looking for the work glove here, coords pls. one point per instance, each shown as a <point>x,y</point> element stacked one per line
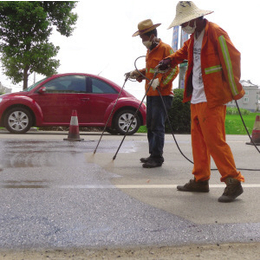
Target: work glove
<point>164,64</point>
<point>155,83</point>
<point>132,74</point>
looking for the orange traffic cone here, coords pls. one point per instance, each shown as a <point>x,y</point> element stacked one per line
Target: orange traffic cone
<point>74,128</point>
<point>256,132</point>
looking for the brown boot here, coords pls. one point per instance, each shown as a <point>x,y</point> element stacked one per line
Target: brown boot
<point>233,190</point>
<point>192,185</point>
<point>145,160</point>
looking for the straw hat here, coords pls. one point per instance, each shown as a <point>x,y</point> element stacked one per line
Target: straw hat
<point>187,11</point>
<point>145,27</point>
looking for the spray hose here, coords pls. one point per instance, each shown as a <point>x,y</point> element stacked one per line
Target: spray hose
<point>167,116</point>
<point>252,141</point>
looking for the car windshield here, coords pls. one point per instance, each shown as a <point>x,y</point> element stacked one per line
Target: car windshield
<point>34,85</point>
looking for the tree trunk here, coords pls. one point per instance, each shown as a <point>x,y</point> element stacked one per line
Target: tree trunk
<point>25,77</point>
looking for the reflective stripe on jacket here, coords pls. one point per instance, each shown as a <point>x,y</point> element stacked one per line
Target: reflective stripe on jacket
<point>220,66</point>
<point>153,57</point>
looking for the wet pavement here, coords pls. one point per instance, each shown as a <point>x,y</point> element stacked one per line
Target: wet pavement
<point>58,194</point>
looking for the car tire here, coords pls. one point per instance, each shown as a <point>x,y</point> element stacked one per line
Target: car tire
<point>122,121</point>
<point>18,120</point>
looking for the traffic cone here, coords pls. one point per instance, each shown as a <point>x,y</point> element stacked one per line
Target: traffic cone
<point>256,132</point>
<point>74,128</point>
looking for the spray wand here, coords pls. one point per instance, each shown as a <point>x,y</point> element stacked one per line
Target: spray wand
<point>119,94</point>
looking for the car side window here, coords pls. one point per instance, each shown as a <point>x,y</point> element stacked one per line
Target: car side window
<point>67,84</point>
<point>101,87</point>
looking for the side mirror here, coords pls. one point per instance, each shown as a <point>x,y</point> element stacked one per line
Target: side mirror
<point>42,90</point>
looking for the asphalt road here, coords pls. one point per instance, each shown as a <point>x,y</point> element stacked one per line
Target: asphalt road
<point>58,194</point>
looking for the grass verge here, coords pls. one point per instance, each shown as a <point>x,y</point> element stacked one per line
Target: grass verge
<point>233,123</point>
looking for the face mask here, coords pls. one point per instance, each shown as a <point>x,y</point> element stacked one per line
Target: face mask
<point>188,29</point>
<point>148,44</point>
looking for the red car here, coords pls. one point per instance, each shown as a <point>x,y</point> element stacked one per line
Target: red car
<point>50,102</point>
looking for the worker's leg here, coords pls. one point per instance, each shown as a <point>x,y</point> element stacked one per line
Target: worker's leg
<point>201,157</point>
<point>212,123</point>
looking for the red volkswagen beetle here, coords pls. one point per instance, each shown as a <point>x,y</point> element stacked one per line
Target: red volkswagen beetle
<point>50,102</point>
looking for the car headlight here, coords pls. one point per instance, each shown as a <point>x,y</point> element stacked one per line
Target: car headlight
<point>1,100</point>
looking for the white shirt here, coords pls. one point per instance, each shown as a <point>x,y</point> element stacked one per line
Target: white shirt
<point>198,94</point>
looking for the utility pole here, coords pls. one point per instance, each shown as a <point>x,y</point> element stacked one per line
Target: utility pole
<point>175,42</point>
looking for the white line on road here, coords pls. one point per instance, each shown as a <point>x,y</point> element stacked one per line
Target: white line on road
<point>98,186</point>
<point>142,186</point>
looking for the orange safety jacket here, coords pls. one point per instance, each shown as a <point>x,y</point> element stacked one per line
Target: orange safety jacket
<point>220,66</point>
<point>153,57</point>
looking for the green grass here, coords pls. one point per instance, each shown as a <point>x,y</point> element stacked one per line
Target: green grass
<point>142,129</point>
<point>233,123</point>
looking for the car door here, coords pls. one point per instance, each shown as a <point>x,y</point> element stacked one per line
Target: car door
<point>101,94</point>
<point>63,95</point>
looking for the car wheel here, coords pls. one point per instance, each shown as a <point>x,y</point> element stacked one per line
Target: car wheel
<point>18,120</point>
<point>123,120</point>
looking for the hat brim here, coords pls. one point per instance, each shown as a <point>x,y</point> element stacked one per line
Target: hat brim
<point>180,20</point>
<point>146,30</point>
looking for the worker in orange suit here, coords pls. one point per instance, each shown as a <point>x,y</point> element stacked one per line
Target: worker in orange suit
<point>211,81</point>
<point>160,84</point>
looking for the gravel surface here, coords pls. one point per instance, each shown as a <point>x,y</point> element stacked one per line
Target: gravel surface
<point>207,252</point>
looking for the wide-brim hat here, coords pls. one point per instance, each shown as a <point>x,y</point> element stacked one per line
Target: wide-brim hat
<point>187,11</point>
<point>145,27</point>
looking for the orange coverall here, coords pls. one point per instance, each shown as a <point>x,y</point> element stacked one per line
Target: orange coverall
<point>220,67</point>
<point>153,57</point>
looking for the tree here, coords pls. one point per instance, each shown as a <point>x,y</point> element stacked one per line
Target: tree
<point>25,28</point>
<point>179,114</point>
